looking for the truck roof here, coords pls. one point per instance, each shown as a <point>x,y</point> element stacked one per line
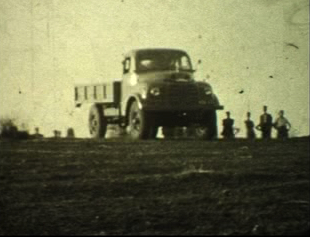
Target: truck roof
<point>135,51</point>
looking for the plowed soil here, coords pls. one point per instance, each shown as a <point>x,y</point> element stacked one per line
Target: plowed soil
<point>155,187</point>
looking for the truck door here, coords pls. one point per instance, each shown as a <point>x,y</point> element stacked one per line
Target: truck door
<point>127,82</point>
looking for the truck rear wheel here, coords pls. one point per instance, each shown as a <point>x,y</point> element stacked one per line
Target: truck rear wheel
<point>96,122</point>
<point>208,131</point>
<point>138,124</point>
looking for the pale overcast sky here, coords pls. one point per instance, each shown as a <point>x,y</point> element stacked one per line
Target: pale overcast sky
<point>258,46</point>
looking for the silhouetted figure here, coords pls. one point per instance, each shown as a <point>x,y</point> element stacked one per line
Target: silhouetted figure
<point>37,134</point>
<point>265,124</point>
<point>70,133</point>
<point>57,134</point>
<point>249,125</point>
<point>228,129</point>
<point>282,125</point>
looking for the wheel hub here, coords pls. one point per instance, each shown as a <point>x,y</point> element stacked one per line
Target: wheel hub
<point>93,124</point>
<point>135,121</point>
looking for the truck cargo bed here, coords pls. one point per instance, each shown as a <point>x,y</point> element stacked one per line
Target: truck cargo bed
<point>98,93</point>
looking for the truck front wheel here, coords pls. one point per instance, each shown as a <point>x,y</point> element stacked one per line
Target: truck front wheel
<point>96,122</point>
<point>208,131</point>
<point>138,124</point>
<point>168,132</point>
<point>153,132</point>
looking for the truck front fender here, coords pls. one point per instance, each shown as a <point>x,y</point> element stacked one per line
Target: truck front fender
<point>125,109</point>
<point>216,100</point>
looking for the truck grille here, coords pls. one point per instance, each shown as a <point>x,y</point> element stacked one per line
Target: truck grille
<point>181,94</point>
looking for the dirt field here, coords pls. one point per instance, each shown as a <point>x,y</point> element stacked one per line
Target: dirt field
<point>179,187</point>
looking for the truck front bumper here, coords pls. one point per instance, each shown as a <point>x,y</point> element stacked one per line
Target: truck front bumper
<point>180,117</point>
<point>180,106</point>
<point>180,100</point>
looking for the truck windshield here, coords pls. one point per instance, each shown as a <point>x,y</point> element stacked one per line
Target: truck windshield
<point>163,60</point>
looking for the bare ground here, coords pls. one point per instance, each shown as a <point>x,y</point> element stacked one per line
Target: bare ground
<point>176,187</point>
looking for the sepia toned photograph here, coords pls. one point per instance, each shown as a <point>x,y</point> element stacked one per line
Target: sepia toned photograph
<point>154,117</point>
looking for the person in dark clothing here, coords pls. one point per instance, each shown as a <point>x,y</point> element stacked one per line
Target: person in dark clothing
<point>265,124</point>
<point>249,125</point>
<point>228,129</point>
<point>37,134</point>
<point>282,125</point>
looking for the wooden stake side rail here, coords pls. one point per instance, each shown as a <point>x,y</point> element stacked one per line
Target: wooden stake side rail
<point>98,93</point>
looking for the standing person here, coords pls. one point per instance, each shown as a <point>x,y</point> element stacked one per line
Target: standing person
<point>249,125</point>
<point>265,124</point>
<point>37,134</point>
<point>228,130</point>
<point>282,125</point>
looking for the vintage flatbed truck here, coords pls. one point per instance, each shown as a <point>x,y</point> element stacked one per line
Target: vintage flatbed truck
<point>157,89</point>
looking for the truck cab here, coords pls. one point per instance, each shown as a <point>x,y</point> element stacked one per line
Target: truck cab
<point>158,89</point>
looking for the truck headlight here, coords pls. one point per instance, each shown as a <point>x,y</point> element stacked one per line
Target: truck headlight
<point>208,90</point>
<point>155,91</point>
<point>144,93</point>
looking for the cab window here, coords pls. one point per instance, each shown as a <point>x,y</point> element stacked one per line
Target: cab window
<point>126,65</point>
<point>184,63</point>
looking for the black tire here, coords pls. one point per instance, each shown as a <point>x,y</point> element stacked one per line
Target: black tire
<point>138,122</point>
<point>168,132</point>
<point>179,132</point>
<point>190,131</point>
<point>213,134</point>
<point>97,123</point>
<point>208,131</point>
<point>153,132</point>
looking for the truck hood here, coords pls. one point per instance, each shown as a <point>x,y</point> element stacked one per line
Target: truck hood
<point>166,76</point>
<point>171,77</point>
